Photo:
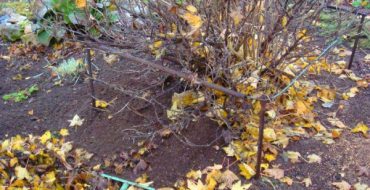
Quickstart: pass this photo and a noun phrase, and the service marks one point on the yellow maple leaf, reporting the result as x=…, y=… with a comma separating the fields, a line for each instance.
x=314, y=158
x=76, y=121
x=101, y=104
x=287, y=180
x=45, y=137
x=64, y=132
x=191, y=9
x=307, y=182
x=193, y=20
x=50, y=177
x=335, y=133
x=13, y=161
x=227, y=179
x=194, y=174
x=351, y=93
x=271, y=114
x=81, y=3
x=156, y=45
x=183, y=100
x=276, y=173
x=211, y=183
x=301, y=107
x=5, y=145
x=319, y=127
x=17, y=143
x=326, y=94
x=238, y=186
x=337, y=123
x=246, y=170
x=360, y=128
x=293, y=156
x=142, y=179
x=343, y=185
x=229, y=150
x=22, y=173
x=270, y=157
x=269, y=134
x=193, y=185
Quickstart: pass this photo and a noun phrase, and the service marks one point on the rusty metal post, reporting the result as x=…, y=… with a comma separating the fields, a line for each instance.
x=91, y=79
x=260, y=138
x=354, y=48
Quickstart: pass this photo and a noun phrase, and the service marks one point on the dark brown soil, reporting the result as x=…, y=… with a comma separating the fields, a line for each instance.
x=341, y=160
x=106, y=137
x=53, y=106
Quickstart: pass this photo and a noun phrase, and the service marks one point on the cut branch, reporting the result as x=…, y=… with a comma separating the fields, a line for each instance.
x=191, y=77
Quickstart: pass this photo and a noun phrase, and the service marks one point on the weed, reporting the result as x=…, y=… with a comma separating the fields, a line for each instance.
x=70, y=67
x=21, y=95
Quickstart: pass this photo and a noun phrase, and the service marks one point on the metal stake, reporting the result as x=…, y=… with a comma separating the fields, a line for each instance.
x=260, y=138
x=354, y=48
x=91, y=80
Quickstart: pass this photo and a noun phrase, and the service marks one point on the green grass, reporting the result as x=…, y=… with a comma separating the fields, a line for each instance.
x=21, y=95
x=329, y=25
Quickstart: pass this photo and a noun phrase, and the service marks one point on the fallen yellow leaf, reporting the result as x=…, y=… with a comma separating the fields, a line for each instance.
x=343, y=185
x=191, y=9
x=275, y=173
x=194, y=174
x=360, y=128
x=307, y=182
x=293, y=156
x=193, y=20
x=238, y=186
x=270, y=157
x=351, y=93
x=101, y=104
x=76, y=121
x=314, y=158
x=50, y=177
x=22, y=173
x=301, y=107
x=335, y=133
x=337, y=123
x=287, y=180
x=246, y=170
x=45, y=137
x=64, y=132
x=269, y=134
x=13, y=161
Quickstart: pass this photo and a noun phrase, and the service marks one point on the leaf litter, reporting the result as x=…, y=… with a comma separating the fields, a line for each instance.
x=44, y=162
x=280, y=130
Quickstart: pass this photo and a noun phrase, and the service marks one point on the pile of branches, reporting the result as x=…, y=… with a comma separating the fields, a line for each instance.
x=234, y=55
x=245, y=47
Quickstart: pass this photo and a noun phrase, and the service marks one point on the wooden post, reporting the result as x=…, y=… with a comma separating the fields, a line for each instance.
x=91, y=79
x=260, y=138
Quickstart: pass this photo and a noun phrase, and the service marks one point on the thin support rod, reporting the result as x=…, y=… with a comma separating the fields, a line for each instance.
x=260, y=138
x=354, y=48
x=91, y=79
